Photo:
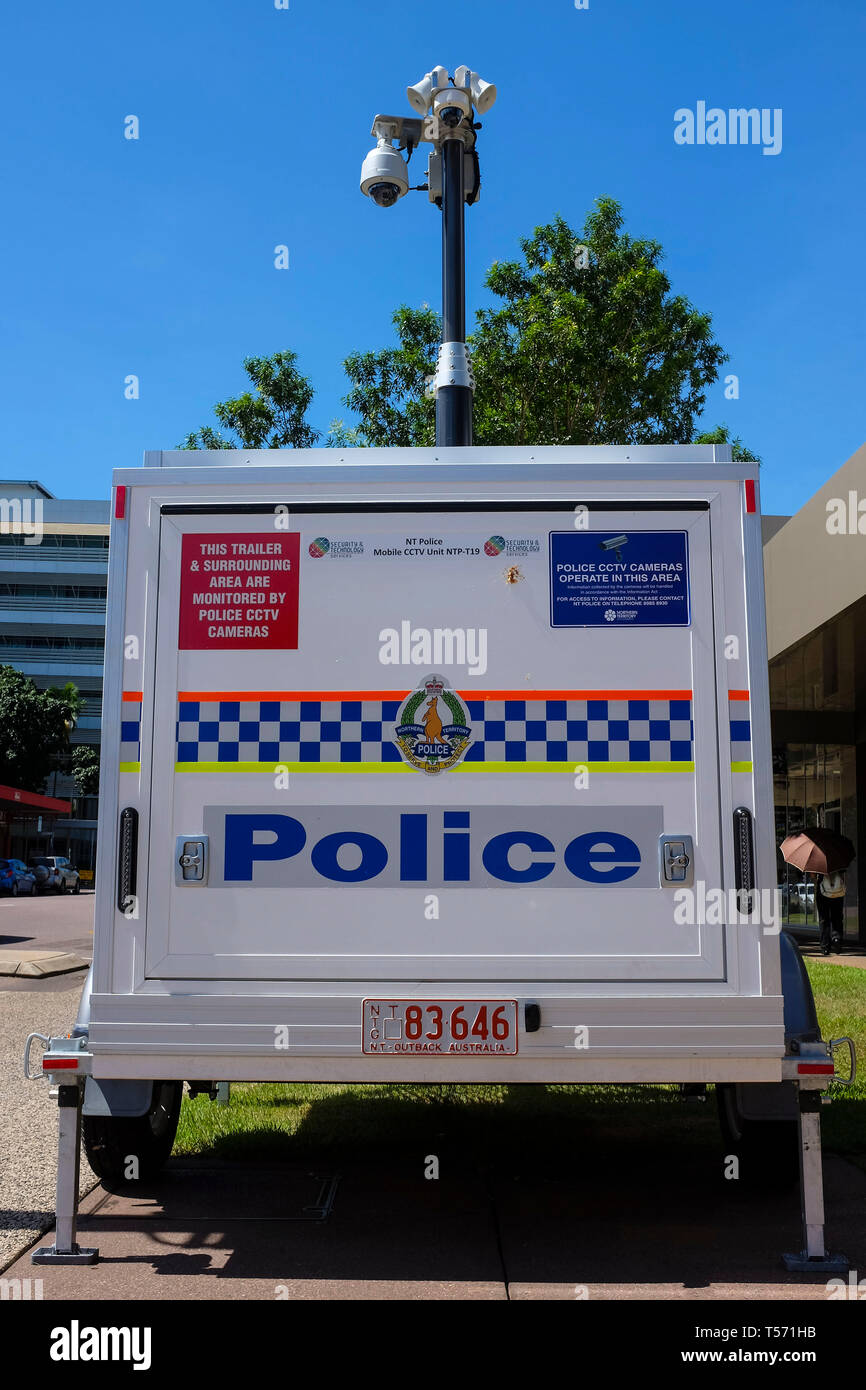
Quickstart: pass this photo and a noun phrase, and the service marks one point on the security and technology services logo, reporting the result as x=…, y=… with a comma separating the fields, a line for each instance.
x=494, y=546
x=319, y=547
x=433, y=732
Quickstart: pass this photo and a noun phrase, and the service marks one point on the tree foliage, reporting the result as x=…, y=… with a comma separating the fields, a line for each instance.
x=587, y=345
x=272, y=416
x=388, y=389
x=85, y=768
x=34, y=728
x=722, y=435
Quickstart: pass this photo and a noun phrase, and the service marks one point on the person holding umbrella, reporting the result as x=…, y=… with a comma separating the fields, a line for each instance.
x=826, y=855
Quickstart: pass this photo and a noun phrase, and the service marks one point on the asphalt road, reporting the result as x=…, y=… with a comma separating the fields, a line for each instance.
x=47, y=922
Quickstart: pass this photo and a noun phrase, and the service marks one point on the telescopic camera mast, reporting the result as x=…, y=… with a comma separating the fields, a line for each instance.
x=446, y=109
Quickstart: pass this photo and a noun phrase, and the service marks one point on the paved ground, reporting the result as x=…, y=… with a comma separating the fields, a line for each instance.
x=642, y=1223
x=28, y=1119
x=47, y=922
x=645, y=1227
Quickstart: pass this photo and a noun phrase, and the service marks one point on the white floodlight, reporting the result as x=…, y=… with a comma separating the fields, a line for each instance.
x=483, y=93
x=421, y=94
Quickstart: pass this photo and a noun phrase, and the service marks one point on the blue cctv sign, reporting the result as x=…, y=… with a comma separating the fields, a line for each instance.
x=619, y=579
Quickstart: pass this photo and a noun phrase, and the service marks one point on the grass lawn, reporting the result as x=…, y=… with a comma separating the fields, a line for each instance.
x=293, y=1122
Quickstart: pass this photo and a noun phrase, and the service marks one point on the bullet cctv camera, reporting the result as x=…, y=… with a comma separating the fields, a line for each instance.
x=614, y=543
x=383, y=175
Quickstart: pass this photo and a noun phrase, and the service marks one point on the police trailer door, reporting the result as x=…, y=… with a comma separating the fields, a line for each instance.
x=403, y=738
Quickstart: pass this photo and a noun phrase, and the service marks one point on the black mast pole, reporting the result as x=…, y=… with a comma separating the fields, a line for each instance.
x=454, y=393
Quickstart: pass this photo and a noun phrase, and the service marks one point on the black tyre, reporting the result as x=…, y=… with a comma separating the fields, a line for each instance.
x=768, y=1150
x=14, y=889
x=77, y=888
x=110, y=1141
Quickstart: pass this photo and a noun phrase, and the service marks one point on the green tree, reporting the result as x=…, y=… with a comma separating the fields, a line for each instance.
x=272, y=416
x=587, y=346
x=34, y=728
x=85, y=768
x=388, y=389
x=722, y=435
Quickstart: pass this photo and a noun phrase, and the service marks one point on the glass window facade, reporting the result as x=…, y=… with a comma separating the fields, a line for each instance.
x=814, y=784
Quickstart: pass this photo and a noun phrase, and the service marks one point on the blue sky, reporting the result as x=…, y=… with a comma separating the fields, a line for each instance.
x=155, y=257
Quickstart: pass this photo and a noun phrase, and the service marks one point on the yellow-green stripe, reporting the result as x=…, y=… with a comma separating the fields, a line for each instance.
x=569, y=767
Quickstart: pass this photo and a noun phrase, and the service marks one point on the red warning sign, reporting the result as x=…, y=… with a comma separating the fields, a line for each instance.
x=239, y=591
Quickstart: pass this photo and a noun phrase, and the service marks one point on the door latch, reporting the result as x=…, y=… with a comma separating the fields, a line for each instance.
x=676, y=860
x=190, y=858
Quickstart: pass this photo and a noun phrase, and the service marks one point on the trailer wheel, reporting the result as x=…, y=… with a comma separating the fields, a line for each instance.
x=111, y=1141
x=768, y=1150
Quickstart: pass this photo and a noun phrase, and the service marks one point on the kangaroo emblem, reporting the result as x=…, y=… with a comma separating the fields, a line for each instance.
x=433, y=737
x=432, y=722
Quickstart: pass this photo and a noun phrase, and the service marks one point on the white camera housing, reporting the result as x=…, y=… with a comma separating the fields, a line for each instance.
x=383, y=175
x=449, y=98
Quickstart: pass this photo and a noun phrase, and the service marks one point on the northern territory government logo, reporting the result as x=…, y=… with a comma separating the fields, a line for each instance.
x=433, y=732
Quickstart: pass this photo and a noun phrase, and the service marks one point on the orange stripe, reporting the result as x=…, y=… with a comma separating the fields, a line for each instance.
x=738, y=694
x=133, y=696
x=465, y=694
x=575, y=694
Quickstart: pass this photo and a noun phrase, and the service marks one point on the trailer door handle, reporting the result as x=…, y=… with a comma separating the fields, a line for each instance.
x=676, y=860
x=191, y=859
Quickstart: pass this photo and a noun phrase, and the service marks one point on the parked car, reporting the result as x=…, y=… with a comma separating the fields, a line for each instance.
x=16, y=878
x=54, y=873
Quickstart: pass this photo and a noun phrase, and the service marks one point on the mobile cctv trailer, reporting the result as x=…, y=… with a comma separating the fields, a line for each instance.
x=436, y=765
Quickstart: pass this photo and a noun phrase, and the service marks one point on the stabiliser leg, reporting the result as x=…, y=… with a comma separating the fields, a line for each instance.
x=66, y=1250
x=813, y=1258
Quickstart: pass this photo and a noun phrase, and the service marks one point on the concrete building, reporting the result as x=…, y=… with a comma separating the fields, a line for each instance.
x=815, y=572
x=53, y=574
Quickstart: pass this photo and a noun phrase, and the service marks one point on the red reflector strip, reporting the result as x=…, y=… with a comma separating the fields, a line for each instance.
x=60, y=1064
x=120, y=503
x=816, y=1069
x=751, y=505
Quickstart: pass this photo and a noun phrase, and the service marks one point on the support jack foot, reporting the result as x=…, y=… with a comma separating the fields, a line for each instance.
x=816, y=1264
x=50, y=1255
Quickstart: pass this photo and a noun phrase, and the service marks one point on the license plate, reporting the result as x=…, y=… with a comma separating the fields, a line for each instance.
x=439, y=1027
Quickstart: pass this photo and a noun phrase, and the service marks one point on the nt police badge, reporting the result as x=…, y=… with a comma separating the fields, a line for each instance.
x=433, y=732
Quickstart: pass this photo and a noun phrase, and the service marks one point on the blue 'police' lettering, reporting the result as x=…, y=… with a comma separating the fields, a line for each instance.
x=242, y=851
x=374, y=857
x=584, y=853
x=496, y=862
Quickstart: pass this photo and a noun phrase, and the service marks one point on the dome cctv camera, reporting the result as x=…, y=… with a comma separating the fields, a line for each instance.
x=451, y=116
x=383, y=175
x=384, y=195
x=452, y=105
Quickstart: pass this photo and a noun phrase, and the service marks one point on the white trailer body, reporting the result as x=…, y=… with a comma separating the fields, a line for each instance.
x=435, y=725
